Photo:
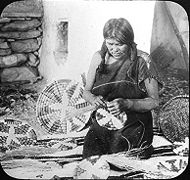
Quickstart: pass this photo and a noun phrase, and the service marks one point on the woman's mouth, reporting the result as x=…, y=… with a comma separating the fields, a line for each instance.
x=116, y=54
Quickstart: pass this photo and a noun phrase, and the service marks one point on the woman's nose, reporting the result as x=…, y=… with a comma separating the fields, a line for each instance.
x=115, y=48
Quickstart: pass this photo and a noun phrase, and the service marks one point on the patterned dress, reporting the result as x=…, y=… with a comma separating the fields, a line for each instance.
x=123, y=79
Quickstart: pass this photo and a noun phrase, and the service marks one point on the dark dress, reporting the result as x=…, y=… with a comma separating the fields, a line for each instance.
x=123, y=79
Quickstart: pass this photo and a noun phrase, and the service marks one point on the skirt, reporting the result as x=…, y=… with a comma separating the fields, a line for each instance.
x=99, y=140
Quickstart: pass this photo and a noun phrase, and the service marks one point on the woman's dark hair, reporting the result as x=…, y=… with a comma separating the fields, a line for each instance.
x=122, y=31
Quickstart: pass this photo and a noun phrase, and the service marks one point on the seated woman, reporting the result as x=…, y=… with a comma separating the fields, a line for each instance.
x=121, y=79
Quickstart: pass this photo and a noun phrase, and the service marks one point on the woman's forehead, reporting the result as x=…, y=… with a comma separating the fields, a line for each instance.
x=112, y=40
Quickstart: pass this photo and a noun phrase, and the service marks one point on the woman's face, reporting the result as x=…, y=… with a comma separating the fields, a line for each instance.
x=116, y=49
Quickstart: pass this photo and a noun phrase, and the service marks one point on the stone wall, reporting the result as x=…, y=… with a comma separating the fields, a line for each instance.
x=20, y=41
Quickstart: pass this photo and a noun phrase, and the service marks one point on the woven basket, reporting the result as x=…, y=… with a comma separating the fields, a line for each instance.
x=173, y=118
x=60, y=109
x=56, y=101
x=15, y=133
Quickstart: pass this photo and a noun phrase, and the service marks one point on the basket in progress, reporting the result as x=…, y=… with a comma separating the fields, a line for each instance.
x=61, y=109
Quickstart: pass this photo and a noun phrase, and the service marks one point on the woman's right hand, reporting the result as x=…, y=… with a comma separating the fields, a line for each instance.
x=98, y=102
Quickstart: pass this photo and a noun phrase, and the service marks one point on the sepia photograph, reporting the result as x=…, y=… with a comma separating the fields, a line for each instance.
x=94, y=89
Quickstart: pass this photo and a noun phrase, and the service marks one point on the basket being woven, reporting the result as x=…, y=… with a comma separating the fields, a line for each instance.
x=174, y=118
x=60, y=109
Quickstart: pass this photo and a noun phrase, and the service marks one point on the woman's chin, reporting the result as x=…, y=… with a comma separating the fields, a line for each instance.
x=118, y=57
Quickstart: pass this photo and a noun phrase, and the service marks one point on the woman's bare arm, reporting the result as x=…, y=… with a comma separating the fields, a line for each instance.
x=87, y=94
x=149, y=103
x=140, y=105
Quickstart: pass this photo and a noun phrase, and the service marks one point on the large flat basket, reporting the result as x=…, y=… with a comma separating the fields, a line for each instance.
x=55, y=103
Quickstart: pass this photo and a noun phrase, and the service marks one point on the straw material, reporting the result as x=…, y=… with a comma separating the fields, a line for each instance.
x=14, y=133
x=60, y=109
x=174, y=118
x=55, y=103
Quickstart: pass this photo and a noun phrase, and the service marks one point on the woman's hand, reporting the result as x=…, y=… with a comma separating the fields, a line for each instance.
x=96, y=101
x=117, y=106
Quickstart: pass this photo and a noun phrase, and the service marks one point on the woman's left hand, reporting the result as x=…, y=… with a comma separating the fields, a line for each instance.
x=116, y=106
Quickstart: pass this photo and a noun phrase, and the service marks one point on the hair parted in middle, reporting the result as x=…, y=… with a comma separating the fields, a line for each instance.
x=121, y=30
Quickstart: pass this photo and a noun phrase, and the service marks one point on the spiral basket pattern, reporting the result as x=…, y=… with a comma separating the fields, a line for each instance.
x=174, y=118
x=61, y=98
x=54, y=104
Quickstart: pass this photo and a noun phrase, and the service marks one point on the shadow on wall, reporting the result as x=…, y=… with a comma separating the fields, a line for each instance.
x=61, y=50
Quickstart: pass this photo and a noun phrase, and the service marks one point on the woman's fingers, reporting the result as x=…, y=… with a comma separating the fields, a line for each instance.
x=99, y=102
x=113, y=103
x=115, y=113
x=115, y=110
x=102, y=102
x=115, y=106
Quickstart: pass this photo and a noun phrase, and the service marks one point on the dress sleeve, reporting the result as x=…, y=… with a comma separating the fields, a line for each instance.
x=147, y=69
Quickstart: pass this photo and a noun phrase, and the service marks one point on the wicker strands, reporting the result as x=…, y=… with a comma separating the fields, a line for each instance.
x=58, y=107
x=107, y=120
x=174, y=118
x=14, y=133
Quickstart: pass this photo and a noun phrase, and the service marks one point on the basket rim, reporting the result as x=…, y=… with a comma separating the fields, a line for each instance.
x=173, y=98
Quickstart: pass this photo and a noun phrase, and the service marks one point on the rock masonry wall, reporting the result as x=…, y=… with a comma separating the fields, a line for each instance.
x=20, y=41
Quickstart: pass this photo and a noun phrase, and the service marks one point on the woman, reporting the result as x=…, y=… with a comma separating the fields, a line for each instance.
x=121, y=81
